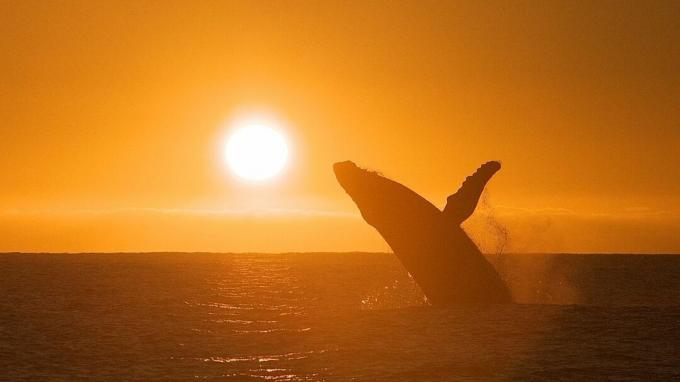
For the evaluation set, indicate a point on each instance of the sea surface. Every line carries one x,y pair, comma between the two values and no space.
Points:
332,317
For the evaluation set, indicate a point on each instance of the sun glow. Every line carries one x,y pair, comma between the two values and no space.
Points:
256,151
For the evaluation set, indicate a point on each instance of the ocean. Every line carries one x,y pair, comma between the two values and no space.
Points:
332,317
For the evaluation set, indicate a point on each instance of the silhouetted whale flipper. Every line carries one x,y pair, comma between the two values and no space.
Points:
462,204
439,255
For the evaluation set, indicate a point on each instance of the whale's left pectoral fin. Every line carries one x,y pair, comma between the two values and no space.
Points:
462,204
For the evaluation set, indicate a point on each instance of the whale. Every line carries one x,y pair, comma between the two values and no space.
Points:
430,243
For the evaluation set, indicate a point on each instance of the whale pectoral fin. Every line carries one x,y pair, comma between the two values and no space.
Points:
462,204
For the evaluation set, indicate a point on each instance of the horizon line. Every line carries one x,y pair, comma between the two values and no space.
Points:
330,252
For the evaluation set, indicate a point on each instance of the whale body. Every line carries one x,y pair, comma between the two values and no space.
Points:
429,242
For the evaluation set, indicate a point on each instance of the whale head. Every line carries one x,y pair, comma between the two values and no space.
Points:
351,177
381,201
362,186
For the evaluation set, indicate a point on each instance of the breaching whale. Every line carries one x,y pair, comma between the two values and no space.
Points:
430,243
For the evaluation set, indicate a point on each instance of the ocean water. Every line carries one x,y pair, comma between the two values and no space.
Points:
331,317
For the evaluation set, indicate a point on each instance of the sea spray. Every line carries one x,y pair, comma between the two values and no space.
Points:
491,236
548,284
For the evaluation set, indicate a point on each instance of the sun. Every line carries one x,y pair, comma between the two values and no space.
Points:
256,151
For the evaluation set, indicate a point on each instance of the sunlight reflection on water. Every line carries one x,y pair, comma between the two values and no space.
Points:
331,317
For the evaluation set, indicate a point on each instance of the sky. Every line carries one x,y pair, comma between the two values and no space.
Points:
115,115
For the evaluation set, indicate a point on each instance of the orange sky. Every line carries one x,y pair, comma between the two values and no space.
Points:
113,119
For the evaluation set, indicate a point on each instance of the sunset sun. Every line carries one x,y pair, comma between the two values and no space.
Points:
256,151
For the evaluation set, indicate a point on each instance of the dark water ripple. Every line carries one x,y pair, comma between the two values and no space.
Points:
331,317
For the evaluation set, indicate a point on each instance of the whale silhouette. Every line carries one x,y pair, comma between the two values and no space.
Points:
434,249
